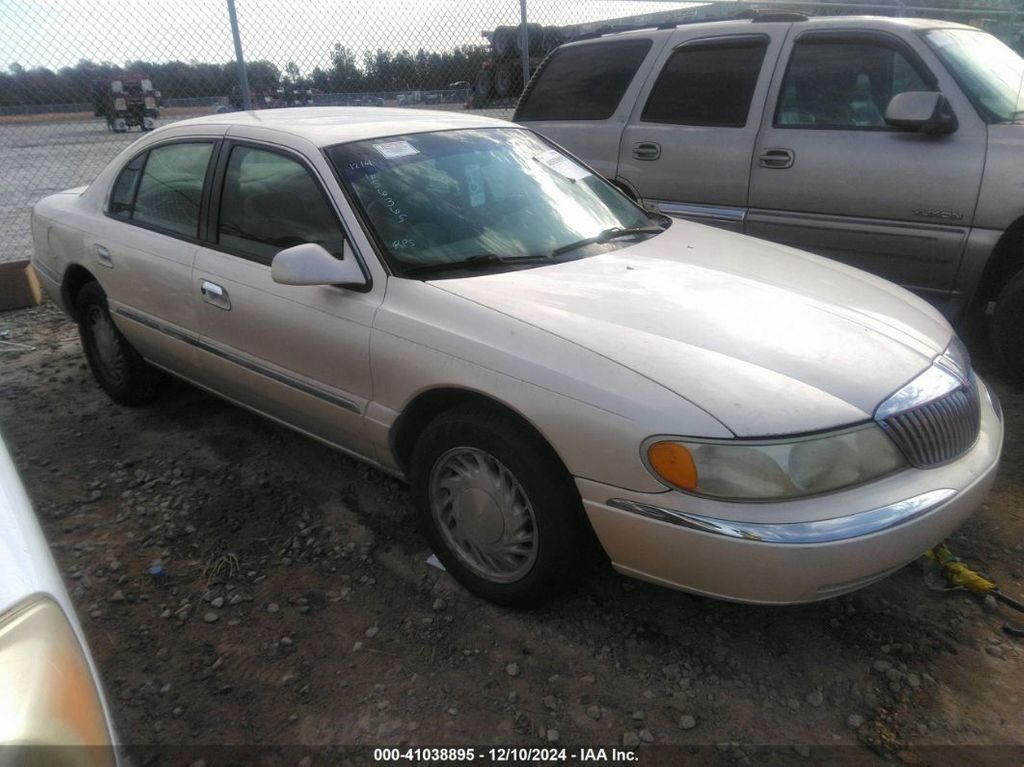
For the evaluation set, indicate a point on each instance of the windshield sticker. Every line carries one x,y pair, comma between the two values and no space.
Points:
475,183
562,165
395,149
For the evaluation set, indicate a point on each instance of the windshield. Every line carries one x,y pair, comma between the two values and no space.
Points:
990,72
491,196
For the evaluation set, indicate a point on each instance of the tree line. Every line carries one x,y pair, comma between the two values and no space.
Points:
348,72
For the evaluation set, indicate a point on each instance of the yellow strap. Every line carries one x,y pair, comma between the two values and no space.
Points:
959,574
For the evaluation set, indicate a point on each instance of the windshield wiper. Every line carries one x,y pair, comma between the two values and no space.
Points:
608,234
482,260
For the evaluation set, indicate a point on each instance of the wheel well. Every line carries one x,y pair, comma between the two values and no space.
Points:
1007,259
75,278
427,406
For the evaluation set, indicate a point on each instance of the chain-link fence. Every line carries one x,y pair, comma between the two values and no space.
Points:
80,78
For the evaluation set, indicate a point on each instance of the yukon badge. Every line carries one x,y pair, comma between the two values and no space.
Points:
948,215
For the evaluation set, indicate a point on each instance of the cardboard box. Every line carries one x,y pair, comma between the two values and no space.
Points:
19,286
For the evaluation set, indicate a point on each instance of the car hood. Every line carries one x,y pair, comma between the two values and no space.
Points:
767,339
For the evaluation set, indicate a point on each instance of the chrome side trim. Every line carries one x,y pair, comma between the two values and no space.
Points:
712,212
274,375
44,270
821,531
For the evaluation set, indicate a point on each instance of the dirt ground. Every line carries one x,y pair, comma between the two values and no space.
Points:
292,604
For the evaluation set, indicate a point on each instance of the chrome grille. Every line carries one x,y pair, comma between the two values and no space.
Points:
937,431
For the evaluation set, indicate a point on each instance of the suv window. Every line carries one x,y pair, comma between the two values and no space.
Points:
271,202
584,82
707,83
844,84
171,187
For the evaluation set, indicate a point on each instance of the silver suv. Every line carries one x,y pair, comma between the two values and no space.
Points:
894,145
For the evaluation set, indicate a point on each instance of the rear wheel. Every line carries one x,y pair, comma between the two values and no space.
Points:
1007,327
497,507
120,370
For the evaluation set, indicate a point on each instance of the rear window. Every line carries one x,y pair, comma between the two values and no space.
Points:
707,83
584,82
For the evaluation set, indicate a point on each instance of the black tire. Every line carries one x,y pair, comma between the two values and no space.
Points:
561,537
120,370
1007,328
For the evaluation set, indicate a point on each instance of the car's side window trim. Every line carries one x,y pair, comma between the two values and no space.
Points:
219,175
207,177
868,36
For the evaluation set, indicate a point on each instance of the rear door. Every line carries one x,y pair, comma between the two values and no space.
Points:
830,176
583,94
687,147
146,247
299,354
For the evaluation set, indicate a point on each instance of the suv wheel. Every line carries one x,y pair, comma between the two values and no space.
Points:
1007,327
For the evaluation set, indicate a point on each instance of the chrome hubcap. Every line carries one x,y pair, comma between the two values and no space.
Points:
106,344
483,514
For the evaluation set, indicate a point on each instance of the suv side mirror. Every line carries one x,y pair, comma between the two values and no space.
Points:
924,111
310,264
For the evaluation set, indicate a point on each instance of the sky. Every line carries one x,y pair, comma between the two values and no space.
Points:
56,33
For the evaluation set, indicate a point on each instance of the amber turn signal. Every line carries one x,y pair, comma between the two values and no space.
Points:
674,464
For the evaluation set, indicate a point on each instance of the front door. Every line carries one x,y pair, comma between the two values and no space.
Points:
299,354
830,176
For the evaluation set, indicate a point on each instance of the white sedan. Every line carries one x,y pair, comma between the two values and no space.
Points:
50,695
460,303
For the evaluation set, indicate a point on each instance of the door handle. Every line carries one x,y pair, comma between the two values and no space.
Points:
103,257
776,158
214,294
647,150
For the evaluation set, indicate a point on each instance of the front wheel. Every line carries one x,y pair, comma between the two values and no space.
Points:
120,370
1007,328
499,510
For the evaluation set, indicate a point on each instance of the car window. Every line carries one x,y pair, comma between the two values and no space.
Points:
844,85
171,187
271,202
585,82
707,83
122,196
447,197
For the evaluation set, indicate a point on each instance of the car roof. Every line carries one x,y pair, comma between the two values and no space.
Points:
832,22
325,126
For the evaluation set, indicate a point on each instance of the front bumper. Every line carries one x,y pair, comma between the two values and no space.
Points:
794,551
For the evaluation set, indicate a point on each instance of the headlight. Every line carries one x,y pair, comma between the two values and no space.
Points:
47,693
774,469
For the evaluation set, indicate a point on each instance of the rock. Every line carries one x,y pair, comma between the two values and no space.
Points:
117,596
594,712
372,632
646,735
217,602
551,702
639,716
630,740
989,604
995,651
273,607
211,617
855,721
553,736
804,751
881,666
512,669
439,605
815,698
687,722
357,647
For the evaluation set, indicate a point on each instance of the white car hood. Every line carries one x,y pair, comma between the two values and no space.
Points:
767,339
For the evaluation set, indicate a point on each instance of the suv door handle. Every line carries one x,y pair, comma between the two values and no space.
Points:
647,150
776,158
214,294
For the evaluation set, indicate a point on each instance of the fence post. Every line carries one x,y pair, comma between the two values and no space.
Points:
524,43
243,80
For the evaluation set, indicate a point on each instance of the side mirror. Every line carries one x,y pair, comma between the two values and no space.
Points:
924,111
311,264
